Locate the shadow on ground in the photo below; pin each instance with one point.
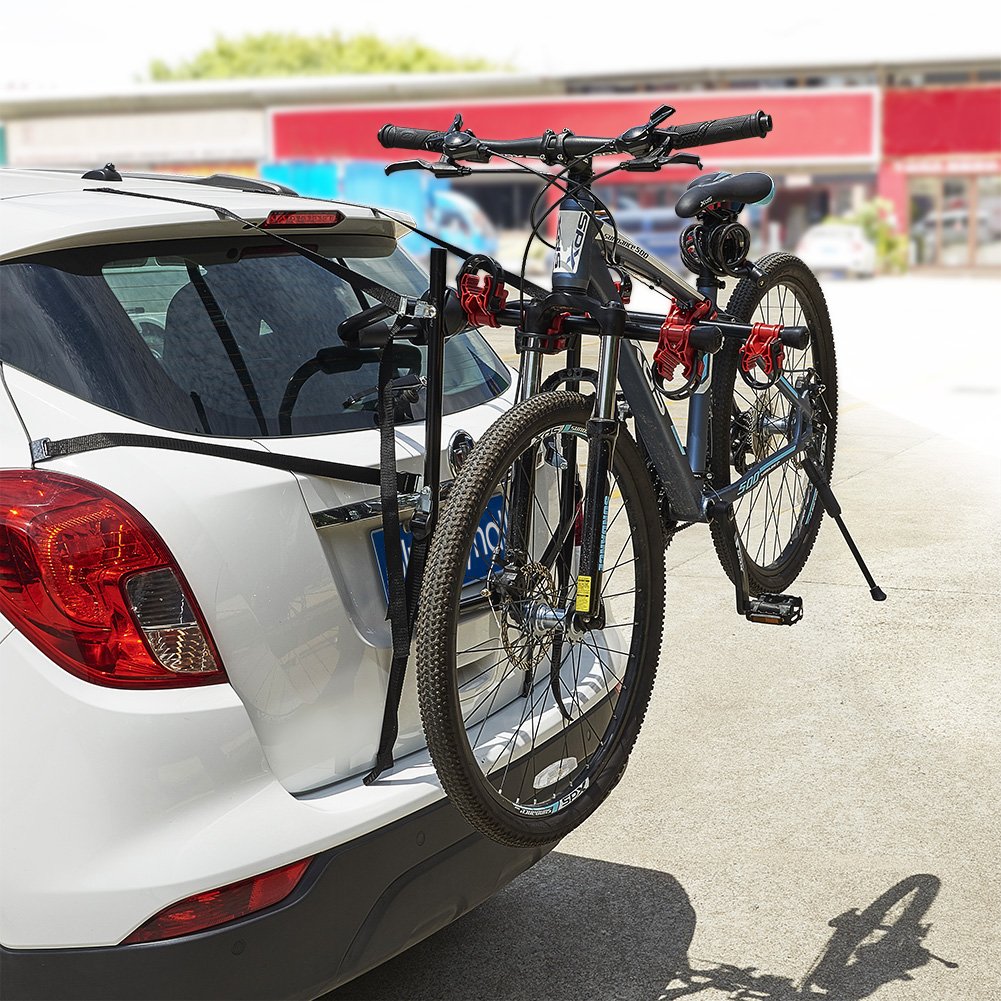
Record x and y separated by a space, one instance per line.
570 927
588 930
869 948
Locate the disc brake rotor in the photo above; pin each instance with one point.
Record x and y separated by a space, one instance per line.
534 583
753 433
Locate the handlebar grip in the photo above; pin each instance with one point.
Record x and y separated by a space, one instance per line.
402 137
706 337
795 337
721 130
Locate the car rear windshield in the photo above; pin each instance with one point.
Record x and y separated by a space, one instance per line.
206 336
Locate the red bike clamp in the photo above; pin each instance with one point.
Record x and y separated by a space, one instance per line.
481 301
674 347
764 343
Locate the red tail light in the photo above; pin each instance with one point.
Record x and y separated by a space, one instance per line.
87 579
300 217
215 907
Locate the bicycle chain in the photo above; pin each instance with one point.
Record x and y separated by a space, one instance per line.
670 527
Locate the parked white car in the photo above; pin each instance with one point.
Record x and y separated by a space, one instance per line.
840 248
194 651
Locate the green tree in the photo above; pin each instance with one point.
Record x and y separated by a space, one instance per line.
283 54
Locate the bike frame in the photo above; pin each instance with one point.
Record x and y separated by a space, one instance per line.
581 279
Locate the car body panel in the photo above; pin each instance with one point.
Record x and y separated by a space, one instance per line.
838 247
69 212
298 615
131 800
138 799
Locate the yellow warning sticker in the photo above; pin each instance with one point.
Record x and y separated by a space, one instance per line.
583 594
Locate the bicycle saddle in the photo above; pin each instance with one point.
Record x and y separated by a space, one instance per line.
724 187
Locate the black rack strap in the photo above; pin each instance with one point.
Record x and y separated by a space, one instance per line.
45 449
399 618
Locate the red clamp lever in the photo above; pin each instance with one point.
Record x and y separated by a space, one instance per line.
674 347
764 343
481 300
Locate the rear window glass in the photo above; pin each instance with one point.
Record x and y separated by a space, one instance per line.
216 336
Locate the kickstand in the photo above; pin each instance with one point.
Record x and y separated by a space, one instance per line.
833 508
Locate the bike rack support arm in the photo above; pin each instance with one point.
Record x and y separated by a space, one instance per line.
427 511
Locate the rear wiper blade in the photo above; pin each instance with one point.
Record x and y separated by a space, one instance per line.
408 386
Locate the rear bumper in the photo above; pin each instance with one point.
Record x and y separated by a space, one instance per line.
358 905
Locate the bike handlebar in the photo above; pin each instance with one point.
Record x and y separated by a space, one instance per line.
721 130
402 137
459 145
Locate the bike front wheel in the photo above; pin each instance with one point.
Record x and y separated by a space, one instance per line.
530 715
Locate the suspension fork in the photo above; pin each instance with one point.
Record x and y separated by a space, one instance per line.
602 430
570 494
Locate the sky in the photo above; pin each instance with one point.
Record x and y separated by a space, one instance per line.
74 46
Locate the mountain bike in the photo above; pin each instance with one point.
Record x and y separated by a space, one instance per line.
542 606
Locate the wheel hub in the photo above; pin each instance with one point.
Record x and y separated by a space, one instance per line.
754 430
528 613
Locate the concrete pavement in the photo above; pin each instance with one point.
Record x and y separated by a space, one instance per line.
787 776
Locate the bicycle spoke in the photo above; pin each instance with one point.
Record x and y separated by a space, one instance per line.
772 515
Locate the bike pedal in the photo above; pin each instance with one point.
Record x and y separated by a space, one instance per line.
775 609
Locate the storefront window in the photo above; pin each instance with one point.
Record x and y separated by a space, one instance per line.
955 221
926 216
988 235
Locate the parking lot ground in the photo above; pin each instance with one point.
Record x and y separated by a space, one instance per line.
786 777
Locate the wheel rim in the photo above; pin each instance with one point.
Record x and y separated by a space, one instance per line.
772 516
537 761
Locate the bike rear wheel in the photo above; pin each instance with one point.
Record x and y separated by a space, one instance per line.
527 751
776 520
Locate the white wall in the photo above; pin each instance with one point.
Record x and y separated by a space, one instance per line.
137 139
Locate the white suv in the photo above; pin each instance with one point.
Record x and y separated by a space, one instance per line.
194 651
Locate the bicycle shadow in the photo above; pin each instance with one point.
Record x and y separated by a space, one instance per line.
869 948
587 930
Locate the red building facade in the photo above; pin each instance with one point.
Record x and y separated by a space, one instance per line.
941 168
933 152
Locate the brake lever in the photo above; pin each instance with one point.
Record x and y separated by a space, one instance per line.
439 169
653 162
691 158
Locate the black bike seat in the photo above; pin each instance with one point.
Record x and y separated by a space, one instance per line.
724 187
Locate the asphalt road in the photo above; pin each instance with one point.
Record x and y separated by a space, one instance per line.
788 777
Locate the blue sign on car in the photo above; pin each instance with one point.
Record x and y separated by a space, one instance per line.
489 540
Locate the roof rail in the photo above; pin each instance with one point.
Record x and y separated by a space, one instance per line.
233 181
246 184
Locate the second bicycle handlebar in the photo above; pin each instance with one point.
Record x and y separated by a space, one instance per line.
461 144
